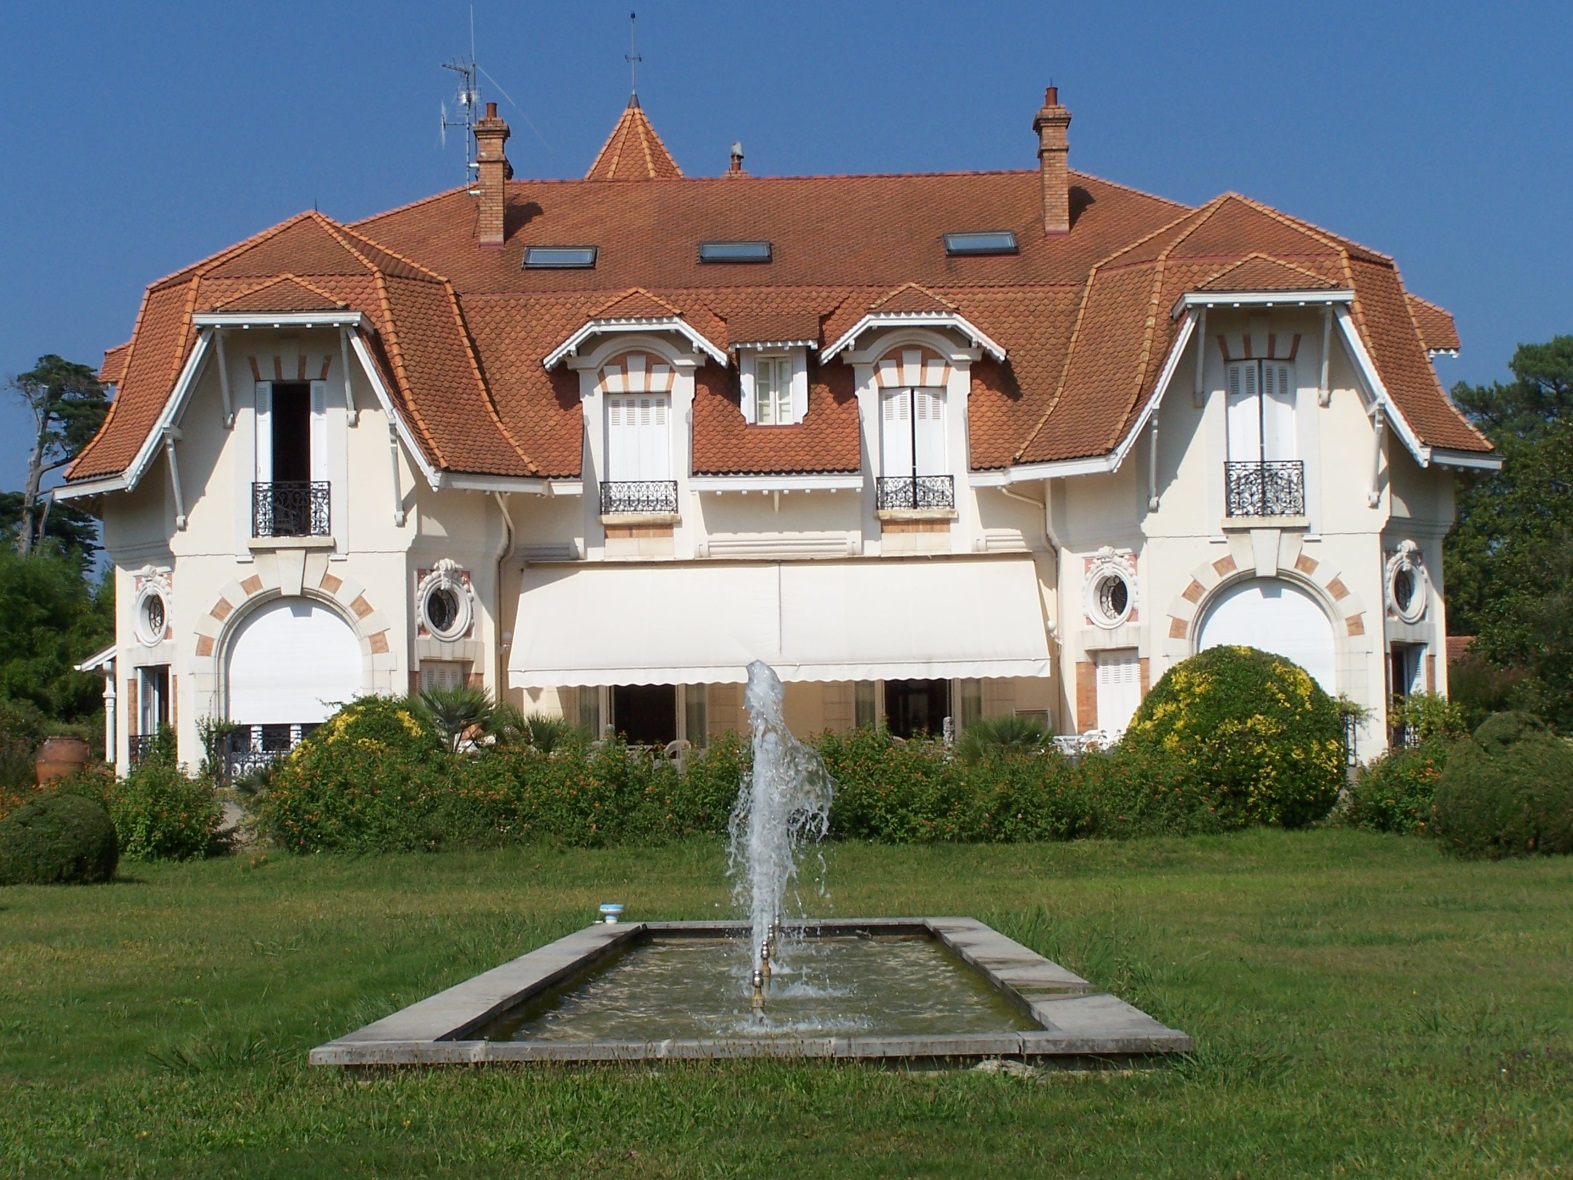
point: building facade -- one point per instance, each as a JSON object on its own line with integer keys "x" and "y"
{"x": 935, "y": 446}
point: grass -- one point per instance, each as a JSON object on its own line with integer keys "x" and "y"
{"x": 1362, "y": 1006}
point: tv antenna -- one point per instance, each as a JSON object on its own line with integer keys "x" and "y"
{"x": 467, "y": 105}
{"x": 632, "y": 58}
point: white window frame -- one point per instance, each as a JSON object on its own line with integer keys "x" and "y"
{"x": 1271, "y": 445}
{"x": 796, "y": 404}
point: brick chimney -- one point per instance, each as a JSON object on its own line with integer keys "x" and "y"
{"x": 735, "y": 168}
{"x": 1051, "y": 124}
{"x": 492, "y": 171}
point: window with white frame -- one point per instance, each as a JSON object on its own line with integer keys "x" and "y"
{"x": 638, "y": 392}
{"x": 774, "y": 386}
{"x": 1261, "y": 411}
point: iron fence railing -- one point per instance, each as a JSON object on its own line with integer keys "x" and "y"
{"x": 1272, "y": 488}
{"x": 139, "y": 746}
{"x": 256, "y": 747}
{"x": 638, "y": 496}
{"x": 915, "y": 491}
{"x": 294, "y": 508}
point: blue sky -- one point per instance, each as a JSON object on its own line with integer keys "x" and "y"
{"x": 138, "y": 138}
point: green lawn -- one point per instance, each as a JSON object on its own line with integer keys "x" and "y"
{"x": 1361, "y": 1005}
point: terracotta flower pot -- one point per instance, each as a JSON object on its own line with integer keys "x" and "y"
{"x": 58, "y": 757}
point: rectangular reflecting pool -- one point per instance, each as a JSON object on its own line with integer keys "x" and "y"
{"x": 935, "y": 990}
{"x": 846, "y": 985}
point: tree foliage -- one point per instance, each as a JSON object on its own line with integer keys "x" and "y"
{"x": 1510, "y": 554}
{"x": 50, "y": 619}
{"x": 68, "y": 405}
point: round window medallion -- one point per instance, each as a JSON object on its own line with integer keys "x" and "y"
{"x": 1110, "y": 592}
{"x": 152, "y": 615}
{"x": 443, "y": 601}
{"x": 1407, "y": 583}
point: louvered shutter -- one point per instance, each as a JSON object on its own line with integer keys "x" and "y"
{"x": 319, "y": 430}
{"x": 895, "y": 433}
{"x": 1119, "y": 689}
{"x": 622, "y": 439}
{"x": 928, "y": 434}
{"x": 1278, "y": 398}
{"x": 1244, "y": 413}
{"x": 264, "y": 431}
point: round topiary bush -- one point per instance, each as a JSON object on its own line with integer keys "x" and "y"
{"x": 55, "y": 839}
{"x": 1507, "y": 791}
{"x": 1249, "y": 733}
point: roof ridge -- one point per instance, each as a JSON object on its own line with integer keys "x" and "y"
{"x": 447, "y": 192}
{"x": 202, "y": 265}
{"x": 480, "y": 377}
{"x": 1309, "y": 228}
{"x": 114, "y": 402}
{"x": 366, "y": 239}
{"x": 400, "y": 374}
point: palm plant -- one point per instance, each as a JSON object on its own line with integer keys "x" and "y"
{"x": 458, "y": 713}
{"x": 1001, "y": 735}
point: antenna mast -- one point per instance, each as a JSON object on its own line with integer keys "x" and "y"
{"x": 468, "y": 100}
{"x": 633, "y": 59}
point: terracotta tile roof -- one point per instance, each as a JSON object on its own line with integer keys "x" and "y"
{"x": 1458, "y": 647}
{"x": 286, "y": 293}
{"x": 1437, "y": 330}
{"x": 114, "y": 364}
{"x": 1261, "y": 273}
{"x": 1084, "y": 318}
{"x": 634, "y": 151}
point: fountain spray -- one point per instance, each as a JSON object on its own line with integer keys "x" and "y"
{"x": 784, "y": 802}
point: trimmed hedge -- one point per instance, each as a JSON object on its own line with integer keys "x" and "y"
{"x": 57, "y": 839}
{"x": 1507, "y": 791}
{"x": 377, "y": 778}
{"x": 1246, "y": 734}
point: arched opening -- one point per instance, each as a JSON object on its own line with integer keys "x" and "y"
{"x": 1276, "y": 616}
{"x": 290, "y": 663}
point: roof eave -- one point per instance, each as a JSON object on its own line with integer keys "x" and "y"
{"x": 1210, "y": 299}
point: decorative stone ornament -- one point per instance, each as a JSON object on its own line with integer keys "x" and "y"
{"x": 1408, "y": 585}
{"x": 444, "y": 603}
{"x": 1109, "y": 592}
{"x": 151, "y": 604}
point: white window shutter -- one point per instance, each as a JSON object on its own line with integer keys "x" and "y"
{"x": 928, "y": 434}
{"x": 799, "y": 366}
{"x": 264, "y": 431}
{"x": 1244, "y": 413}
{"x": 895, "y": 434}
{"x": 319, "y": 430}
{"x": 1278, "y": 405}
{"x": 748, "y": 375}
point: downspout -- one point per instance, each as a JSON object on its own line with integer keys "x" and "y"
{"x": 1045, "y": 505}
{"x": 504, "y": 551}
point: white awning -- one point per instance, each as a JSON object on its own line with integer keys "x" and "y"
{"x": 875, "y": 619}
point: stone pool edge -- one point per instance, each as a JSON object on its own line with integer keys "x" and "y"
{"x": 1078, "y": 1020}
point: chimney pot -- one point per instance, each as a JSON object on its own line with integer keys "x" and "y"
{"x": 736, "y": 168}
{"x": 491, "y": 110}
{"x": 1052, "y": 124}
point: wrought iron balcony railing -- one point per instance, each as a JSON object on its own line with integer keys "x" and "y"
{"x": 639, "y": 496}
{"x": 290, "y": 509}
{"x": 254, "y": 747}
{"x": 1273, "y": 488}
{"x": 915, "y": 491}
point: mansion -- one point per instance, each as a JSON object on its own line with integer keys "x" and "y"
{"x": 937, "y": 447}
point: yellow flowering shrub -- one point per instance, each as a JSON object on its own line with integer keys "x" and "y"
{"x": 1248, "y": 731}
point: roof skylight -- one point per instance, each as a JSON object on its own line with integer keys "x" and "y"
{"x": 734, "y": 251}
{"x": 993, "y": 241}
{"x": 559, "y": 257}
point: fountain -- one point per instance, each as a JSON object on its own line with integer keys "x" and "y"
{"x": 778, "y": 985}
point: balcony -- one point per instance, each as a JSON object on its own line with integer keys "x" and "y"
{"x": 291, "y": 509}
{"x": 1273, "y": 488}
{"x": 255, "y": 747}
{"x": 915, "y": 493}
{"x": 641, "y": 497}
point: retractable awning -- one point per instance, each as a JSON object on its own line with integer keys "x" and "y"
{"x": 874, "y": 619}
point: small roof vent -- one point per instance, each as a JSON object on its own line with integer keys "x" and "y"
{"x": 992, "y": 241}
{"x": 734, "y": 252}
{"x": 559, "y": 257}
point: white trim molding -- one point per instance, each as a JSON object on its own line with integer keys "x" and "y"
{"x": 282, "y": 319}
{"x": 875, "y": 321}
{"x": 570, "y": 346}
{"x": 1200, "y": 299}
{"x": 831, "y": 482}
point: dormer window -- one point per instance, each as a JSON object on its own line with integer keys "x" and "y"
{"x": 775, "y": 386}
